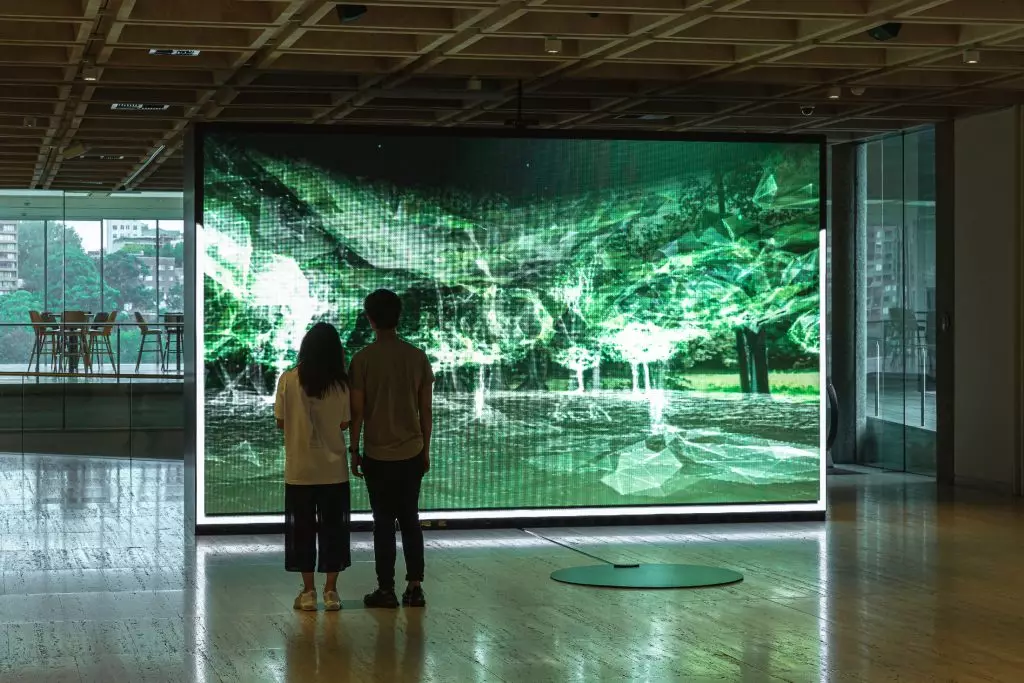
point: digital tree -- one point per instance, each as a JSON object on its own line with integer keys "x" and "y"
{"x": 752, "y": 285}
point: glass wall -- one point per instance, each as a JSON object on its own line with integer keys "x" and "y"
{"x": 900, "y": 302}
{"x": 78, "y": 259}
{"x": 96, "y": 253}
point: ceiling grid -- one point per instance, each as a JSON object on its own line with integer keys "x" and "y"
{"x": 759, "y": 66}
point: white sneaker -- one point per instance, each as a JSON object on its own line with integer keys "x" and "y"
{"x": 306, "y": 601}
{"x": 332, "y": 601}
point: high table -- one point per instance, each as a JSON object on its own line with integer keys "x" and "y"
{"x": 71, "y": 335}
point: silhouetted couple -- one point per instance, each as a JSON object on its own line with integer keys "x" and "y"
{"x": 388, "y": 393}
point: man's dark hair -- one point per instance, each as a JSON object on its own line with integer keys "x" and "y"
{"x": 384, "y": 308}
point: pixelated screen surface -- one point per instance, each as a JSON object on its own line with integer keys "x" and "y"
{"x": 610, "y": 322}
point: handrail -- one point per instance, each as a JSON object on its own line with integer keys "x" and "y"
{"x": 91, "y": 375}
{"x": 85, "y": 349}
{"x": 90, "y": 323}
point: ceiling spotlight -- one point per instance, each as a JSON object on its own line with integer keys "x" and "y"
{"x": 474, "y": 83}
{"x": 552, "y": 45}
{"x": 348, "y": 13}
{"x": 857, "y": 90}
{"x": 90, "y": 73}
{"x": 835, "y": 92}
{"x": 30, "y": 122}
{"x": 972, "y": 56}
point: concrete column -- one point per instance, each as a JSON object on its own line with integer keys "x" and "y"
{"x": 987, "y": 329}
{"x": 848, "y": 331}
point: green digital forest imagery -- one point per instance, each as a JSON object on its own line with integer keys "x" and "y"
{"x": 611, "y": 322}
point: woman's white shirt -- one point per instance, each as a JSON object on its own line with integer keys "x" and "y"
{"x": 314, "y": 442}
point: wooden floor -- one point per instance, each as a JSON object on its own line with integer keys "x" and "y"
{"x": 901, "y": 585}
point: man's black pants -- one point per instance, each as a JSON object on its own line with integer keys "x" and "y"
{"x": 394, "y": 488}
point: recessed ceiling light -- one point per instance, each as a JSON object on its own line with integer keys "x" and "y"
{"x": 885, "y": 32}
{"x": 972, "y": 56}
{"x": 348, "y": 13}
{"x": 139, "y": 106}
{"x": 90, "y": 73}
{"x": 835, "y": 92}
{"x": 173, "y": 52}
{"x": 552, "y": 45}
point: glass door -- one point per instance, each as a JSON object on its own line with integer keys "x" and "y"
{"x": 899, "y": 259}
{"x": 919, "y": 297}
{"x": 886, "y": 350}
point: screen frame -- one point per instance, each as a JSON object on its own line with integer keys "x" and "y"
{"x": 200, "y": 522}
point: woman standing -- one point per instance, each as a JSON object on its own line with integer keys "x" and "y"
{"x": 312, "y": 407}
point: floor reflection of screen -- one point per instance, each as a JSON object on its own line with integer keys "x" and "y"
{"x": 611, "y": 322}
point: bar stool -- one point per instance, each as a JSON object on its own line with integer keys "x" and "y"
{"x": 173, "y": 343}
{"x": 148, "y": 335}
{"x": 101, "y": 336}
{"x": 47, "y": 339}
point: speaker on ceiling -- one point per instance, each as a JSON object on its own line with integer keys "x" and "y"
{"x": 885, "y": 31}
{"x": 349, "y": 12}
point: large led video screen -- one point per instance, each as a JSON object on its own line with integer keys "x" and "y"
{"x": 616, "y": 326}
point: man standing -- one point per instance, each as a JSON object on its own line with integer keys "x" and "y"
{"x": 391, "y": 393}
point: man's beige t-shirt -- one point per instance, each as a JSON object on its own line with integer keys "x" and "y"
{"x": 390, "y": 372}
{"x": 314, "y": 443}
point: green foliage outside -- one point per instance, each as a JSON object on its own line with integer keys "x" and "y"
{"x": 61, "y": 276}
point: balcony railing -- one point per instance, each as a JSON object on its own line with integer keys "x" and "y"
{"x": 901, "y": 371}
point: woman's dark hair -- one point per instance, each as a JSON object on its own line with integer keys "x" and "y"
{"x": 384, "y": 308}
{"x": 322, "y": 361}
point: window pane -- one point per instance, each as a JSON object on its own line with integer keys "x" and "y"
{"x": 21, "y": 287}
{"x": 129, "y": 271}
{"x": 55, "y": 266}
{"x": 82, "y": 250}
{"x": 171, "y": 247}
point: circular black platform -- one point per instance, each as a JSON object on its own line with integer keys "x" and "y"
{"x": 647, "y": 576}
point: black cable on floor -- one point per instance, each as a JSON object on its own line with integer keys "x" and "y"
{"x": 577, "y": 550}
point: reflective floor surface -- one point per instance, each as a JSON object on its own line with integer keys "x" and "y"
{"x": 903, "y": 584}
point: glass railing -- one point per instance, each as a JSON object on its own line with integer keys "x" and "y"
{"x": 901, "y": 381}
{"x": 93, "y": 351}
{"x": 86, "y": 389}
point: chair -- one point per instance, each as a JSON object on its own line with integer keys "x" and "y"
{"x": 101, "y": 335}
{"x": 47, "y": 339}
{"x": 74, "y": 345}
{"x": 173, "y": 342}
{"x": 148, "y": 335}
